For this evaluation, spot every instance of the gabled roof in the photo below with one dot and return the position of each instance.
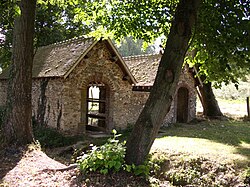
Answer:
(59, 59)
(144, 68)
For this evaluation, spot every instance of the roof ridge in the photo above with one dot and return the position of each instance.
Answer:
(67, 41)
(141, 56)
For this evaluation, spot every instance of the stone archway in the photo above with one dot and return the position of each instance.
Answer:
(103, 122)
(182, 105)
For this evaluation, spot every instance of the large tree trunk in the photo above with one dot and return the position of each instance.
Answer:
(209, 102)
(162, 93)
(17, 128)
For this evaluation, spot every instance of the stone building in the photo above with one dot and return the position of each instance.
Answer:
(82, 84)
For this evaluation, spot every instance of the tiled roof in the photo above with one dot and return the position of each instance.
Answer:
(55, 60)
(58, 60)
(143, 68)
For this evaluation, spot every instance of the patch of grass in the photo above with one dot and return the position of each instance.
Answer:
(220, 140)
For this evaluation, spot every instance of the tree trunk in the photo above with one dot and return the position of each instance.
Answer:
(210, 104)
(17, 128)
(163, 90)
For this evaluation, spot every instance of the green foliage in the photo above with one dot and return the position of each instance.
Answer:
(105, 158)
(146, 20)
(49, 137)
(129, 47)
(187, 173)
(55, 21)
(159, 164)
(198, 171)
(221, 38)
(109, 157)
(222, 41)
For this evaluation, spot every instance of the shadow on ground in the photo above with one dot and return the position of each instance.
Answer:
(9, 158)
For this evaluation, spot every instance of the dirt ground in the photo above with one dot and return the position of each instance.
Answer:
(30, 168)
(20, 167)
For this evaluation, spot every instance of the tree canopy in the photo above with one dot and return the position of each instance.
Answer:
(177, 21)
(130, 47)
(55, 21)
(222, 40)
(221, 36)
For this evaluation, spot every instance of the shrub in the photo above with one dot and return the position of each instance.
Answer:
(109, 157)
(105, 158)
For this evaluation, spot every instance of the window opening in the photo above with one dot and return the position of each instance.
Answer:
(96, 107)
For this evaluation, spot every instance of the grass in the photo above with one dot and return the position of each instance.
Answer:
(226, 141)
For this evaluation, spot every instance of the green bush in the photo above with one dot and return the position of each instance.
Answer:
(104, 158)
(109, 157)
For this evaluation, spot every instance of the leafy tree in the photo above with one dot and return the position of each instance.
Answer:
(54, 22)
(215, 38)
(222, 45)
(222, 41)
(130, 47)
(148, 20)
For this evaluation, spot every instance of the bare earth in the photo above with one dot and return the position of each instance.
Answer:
(31, 170)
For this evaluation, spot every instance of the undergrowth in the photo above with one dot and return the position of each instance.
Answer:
(49, 137)
(109, 157)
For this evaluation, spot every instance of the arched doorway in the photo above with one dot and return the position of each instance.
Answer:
(182, 105)
(97, 107)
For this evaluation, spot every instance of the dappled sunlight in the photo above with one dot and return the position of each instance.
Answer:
(201, 147)
(245, 145)
(33, 170)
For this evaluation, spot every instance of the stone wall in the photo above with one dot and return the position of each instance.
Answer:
(47, 103)
(138, 100)
(97, 67)
(61, 102)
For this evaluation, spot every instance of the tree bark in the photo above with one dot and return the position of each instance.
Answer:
(163, 90)
(17, 128)
(210, 104)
